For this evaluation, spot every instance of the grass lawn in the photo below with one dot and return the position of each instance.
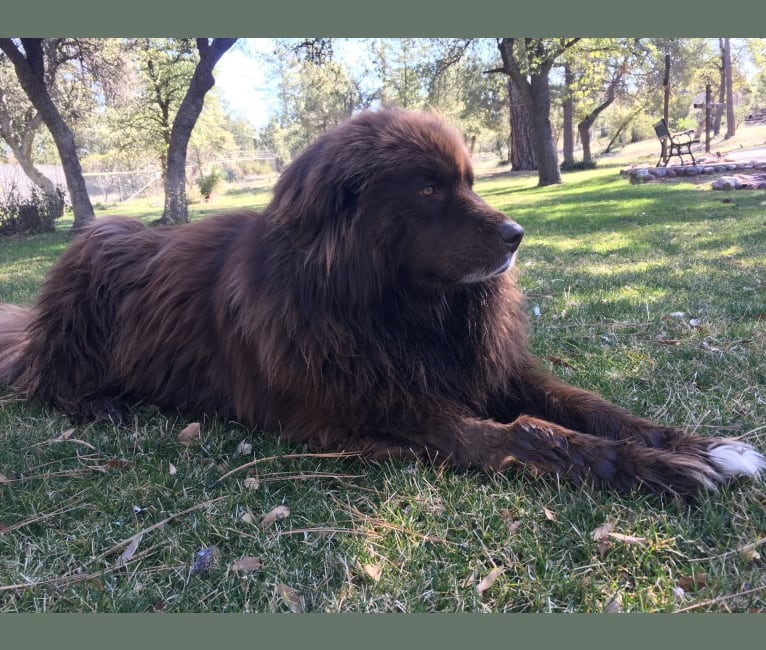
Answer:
(653, 295)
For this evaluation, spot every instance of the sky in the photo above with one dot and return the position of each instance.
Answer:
(244, 83)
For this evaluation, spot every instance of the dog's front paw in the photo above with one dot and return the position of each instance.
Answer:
(733, 458)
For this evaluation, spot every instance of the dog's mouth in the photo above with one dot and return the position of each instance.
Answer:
(481, 276)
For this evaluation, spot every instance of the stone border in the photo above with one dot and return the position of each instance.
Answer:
(649, 174)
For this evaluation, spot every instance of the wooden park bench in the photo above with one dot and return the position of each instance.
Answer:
(674, 144)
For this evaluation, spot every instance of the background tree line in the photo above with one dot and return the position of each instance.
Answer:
(111, 104)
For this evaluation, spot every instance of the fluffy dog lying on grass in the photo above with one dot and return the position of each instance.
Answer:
(372, 307)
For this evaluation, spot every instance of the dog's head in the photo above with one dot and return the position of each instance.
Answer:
(392, 190)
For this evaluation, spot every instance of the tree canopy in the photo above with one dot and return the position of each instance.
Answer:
(143, 103)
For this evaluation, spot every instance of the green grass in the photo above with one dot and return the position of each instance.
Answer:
(609, 266)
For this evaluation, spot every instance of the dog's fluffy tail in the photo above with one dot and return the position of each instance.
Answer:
(13, 339)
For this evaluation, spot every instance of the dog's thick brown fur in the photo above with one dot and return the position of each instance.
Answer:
(369, 308)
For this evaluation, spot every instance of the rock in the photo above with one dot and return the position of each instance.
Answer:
(725, 183)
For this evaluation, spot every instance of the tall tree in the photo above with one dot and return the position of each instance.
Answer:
(728, 79)
(19, 124)
(521, 149)
(528, 62)
(28, 58)
(202, 80)
(602, 65)
(315, 93)
(567, 106)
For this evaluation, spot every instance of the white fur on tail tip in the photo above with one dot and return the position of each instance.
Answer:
(734, 458)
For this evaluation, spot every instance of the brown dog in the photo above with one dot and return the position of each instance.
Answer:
(369, 308)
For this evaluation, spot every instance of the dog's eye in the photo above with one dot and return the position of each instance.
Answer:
(428, 190)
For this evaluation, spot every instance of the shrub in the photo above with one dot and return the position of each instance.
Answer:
(208, 182)
(28, 215)
(578, 166)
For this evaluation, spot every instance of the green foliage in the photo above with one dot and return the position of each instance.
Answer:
(36, 213)
(142, 115)
(208, 182)
(578, 165)
(313, 97)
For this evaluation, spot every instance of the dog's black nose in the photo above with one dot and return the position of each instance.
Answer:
(511, 233)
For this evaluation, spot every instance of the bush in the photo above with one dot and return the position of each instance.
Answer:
(208, 182)
(28, 215)
(577, 166)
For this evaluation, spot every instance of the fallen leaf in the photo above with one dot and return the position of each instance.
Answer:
(204, 559)
(64, 436)
(172, 469)
(4, 480)
(512, 526)
(280, 512)
(549, 514)
(112, 465)
(248, 518)
(603, 547)
(747, 552)
(127, 555)
(489, 580)
(510, 523)
(602, 532)
(293, 599)
(558, 361)
(246, 564)
(244, 448)
(692, 583)
(613, 604)
(252, 483)
(189, 434)
(373, 571)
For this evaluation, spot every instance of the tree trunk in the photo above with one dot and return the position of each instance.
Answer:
(22, 150)
(731, 127)
(176, 210)
(548, 172)
(30, 70)
(534, 91)
(521, 154)
(568, 111)
(583, 128)
(718, 116)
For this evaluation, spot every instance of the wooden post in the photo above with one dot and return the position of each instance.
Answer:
(666, 88)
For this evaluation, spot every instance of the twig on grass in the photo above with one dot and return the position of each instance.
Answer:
(741, 550)
(43, 517)
(70, 579)
(720, 599)
(124, 543)
(381, 523)
(258, 461)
